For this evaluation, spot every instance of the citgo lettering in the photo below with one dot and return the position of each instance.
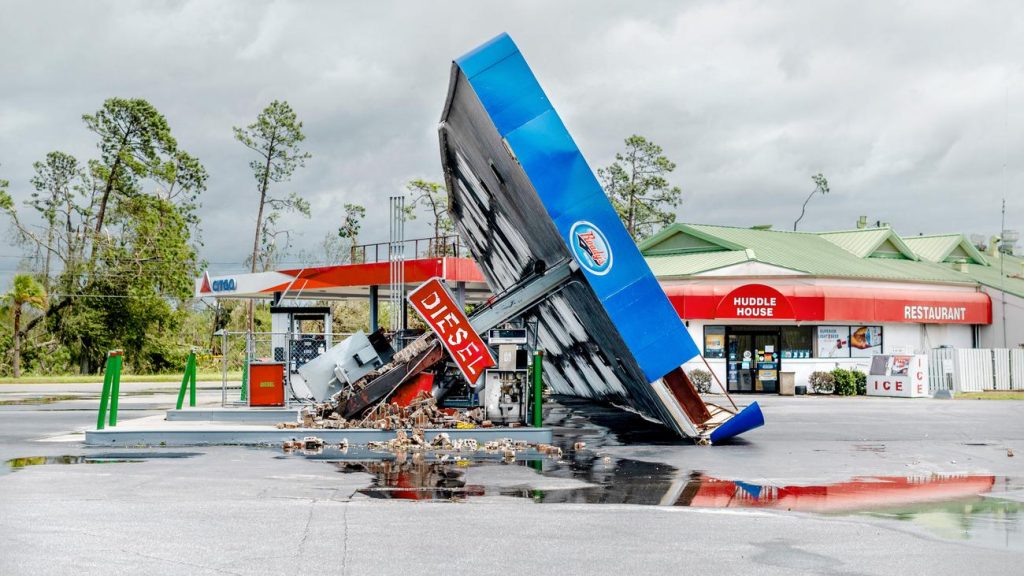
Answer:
(223, 285)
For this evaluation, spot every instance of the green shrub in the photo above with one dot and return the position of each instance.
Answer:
(849, 382)
(862, 382)
(701, 379)
(821, 382)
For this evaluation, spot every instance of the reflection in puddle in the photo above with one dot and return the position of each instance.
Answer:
(96, 458)
(965, 508)
(18, 463)
(414, 480)
(955, 507)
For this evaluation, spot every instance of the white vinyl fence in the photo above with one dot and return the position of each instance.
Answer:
(974, 370)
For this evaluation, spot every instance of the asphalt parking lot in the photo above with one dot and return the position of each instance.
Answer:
(828, 486)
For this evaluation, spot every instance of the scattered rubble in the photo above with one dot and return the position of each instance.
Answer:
(422, 412)
(414, 442)
(312, 443)
(409, 423)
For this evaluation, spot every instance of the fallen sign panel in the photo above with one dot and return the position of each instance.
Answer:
(435, 304)
(524, 201)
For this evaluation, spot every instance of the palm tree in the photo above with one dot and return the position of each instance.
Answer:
(25, 291)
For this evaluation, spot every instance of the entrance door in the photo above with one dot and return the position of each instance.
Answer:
(753, 359)
(741, 362)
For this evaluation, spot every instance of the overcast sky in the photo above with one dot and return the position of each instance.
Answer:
(912, 110)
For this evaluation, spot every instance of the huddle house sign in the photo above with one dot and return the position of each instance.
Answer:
(755, 302)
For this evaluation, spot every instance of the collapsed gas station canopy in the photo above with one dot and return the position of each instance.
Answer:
(344, 281)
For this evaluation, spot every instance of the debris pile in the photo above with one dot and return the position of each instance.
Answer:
(422, 412)
(406, 354)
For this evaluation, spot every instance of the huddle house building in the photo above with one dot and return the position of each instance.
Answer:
(761, 301)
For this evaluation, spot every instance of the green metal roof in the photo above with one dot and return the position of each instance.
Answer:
(669, 241)
(868, 242)
(674, 266)
(944, 248)
(860, 243)
(1011, 280)
(804, 252)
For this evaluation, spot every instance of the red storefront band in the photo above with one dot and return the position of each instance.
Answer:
(830, 303)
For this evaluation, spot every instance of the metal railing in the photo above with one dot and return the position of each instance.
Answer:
(976, 369)
(430, 247)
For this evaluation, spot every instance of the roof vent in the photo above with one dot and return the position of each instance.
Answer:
(993, 246)
(961, 265)
(862, 222)
(979, 241)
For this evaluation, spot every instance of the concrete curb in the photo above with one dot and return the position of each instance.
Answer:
(251, 416)
(250, 437)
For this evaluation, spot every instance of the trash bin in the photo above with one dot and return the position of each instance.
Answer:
(801, 390)
(787, 383)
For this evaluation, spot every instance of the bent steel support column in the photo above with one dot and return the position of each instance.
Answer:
(538, 389)
(374, 308)
(521, 298)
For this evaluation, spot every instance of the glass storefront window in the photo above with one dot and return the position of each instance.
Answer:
(833, 342)
(797, 341)
(804, 341)
(865, 341)
(714, 341)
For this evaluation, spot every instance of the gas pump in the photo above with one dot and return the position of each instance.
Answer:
(506, 388)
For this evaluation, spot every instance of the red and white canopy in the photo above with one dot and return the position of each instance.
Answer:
(342, 281)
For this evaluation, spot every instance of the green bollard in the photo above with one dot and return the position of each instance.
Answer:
(192, 379)
(245, 381)
(189, 381)
(114, 362)
(102, 417)
(181, 391)
(538, 389)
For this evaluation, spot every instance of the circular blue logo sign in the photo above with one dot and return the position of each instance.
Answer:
(590, 247)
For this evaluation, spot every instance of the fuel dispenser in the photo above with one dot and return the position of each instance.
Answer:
(506, 389)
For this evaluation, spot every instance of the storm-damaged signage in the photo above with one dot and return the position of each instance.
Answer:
(435, 304)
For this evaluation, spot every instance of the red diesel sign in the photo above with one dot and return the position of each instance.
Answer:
(435, 304)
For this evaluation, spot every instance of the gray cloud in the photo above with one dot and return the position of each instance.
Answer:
(910, 109)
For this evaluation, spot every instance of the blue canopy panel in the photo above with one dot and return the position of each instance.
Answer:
(524, 199)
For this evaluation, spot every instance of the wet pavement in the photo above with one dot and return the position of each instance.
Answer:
(967, 508)
(807, 493)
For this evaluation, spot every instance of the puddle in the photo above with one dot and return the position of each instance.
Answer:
(39, 400)
(965, 508)
(94, 458)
